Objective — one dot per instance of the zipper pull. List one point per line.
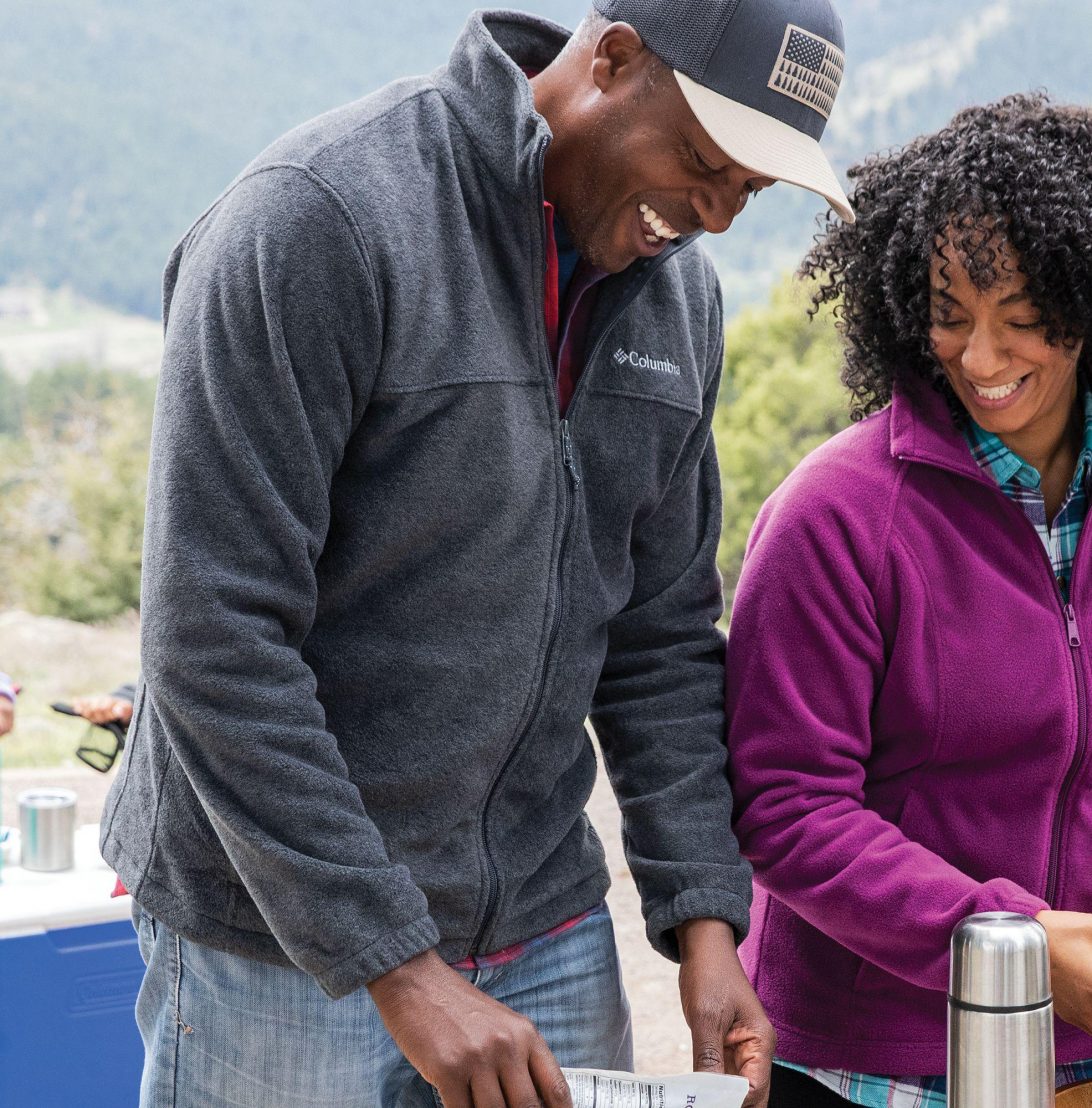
(1071, 626)
(567, 451)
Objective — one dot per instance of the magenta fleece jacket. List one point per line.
(908, 709)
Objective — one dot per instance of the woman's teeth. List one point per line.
(1000, 392)
(656, 227)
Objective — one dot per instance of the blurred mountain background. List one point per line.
(122, 120)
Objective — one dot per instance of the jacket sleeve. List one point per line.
(805, 661)
(658, 711)
(272, 338)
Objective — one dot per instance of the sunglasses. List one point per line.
(101, 745)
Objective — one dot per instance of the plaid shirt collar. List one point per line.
(1005, 466)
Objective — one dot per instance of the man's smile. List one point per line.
(655, 226)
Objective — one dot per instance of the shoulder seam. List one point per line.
(390, 108)
(309, 171)
(941, 713)
(882, 561)
(331, 195)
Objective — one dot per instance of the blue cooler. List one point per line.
(69, 975)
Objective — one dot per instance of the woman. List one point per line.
(910, 657)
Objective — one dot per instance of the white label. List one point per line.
(607, 1089)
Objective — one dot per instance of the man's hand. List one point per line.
(475, 1051)
(7, 715)
(1069, 937)
(104, 709)
(730, 1030)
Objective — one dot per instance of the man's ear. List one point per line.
(619, 54)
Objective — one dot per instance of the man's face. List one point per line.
(645, 171)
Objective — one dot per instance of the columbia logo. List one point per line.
(643, 361)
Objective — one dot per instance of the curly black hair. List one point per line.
(1012, 179)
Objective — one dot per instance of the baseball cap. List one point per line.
(760, 75)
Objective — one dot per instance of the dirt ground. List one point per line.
(661, 1039)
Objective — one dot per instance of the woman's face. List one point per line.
(992, 346)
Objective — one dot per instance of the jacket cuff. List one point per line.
(1019, 900)
(379, 957)
(695, 904)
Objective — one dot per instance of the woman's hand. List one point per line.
(1069, 937)
(730, 1031)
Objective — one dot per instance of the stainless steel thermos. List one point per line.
(47, 829)
(1000, 1014)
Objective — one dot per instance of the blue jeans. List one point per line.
(223, 1030)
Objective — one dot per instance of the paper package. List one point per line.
(608, 1089)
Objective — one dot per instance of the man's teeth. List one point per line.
(658, 227)
(1000, 392)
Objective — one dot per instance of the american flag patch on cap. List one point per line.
(808, 69)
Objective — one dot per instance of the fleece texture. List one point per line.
(385, 584)
(908, 735)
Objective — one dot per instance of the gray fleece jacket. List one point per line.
(385, 583)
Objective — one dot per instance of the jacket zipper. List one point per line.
(1073, 640)
(571, 484)
(572, 481)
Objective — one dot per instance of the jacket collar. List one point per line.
(484, 86)
(922, 428)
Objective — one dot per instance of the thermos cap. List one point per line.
(1000, 961)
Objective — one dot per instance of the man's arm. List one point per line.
(272, 337)
(659, 716)
(658, 710)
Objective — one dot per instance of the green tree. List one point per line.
(780, 398)
(90, 571)
(70, 399)
(72, 486)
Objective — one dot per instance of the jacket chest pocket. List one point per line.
(628, 460)
(644, 374)
(645, 403)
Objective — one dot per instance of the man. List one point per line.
(432, 481)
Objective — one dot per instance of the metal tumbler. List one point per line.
(1000, 1014)
(47, 829)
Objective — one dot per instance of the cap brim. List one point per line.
(767, 146)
